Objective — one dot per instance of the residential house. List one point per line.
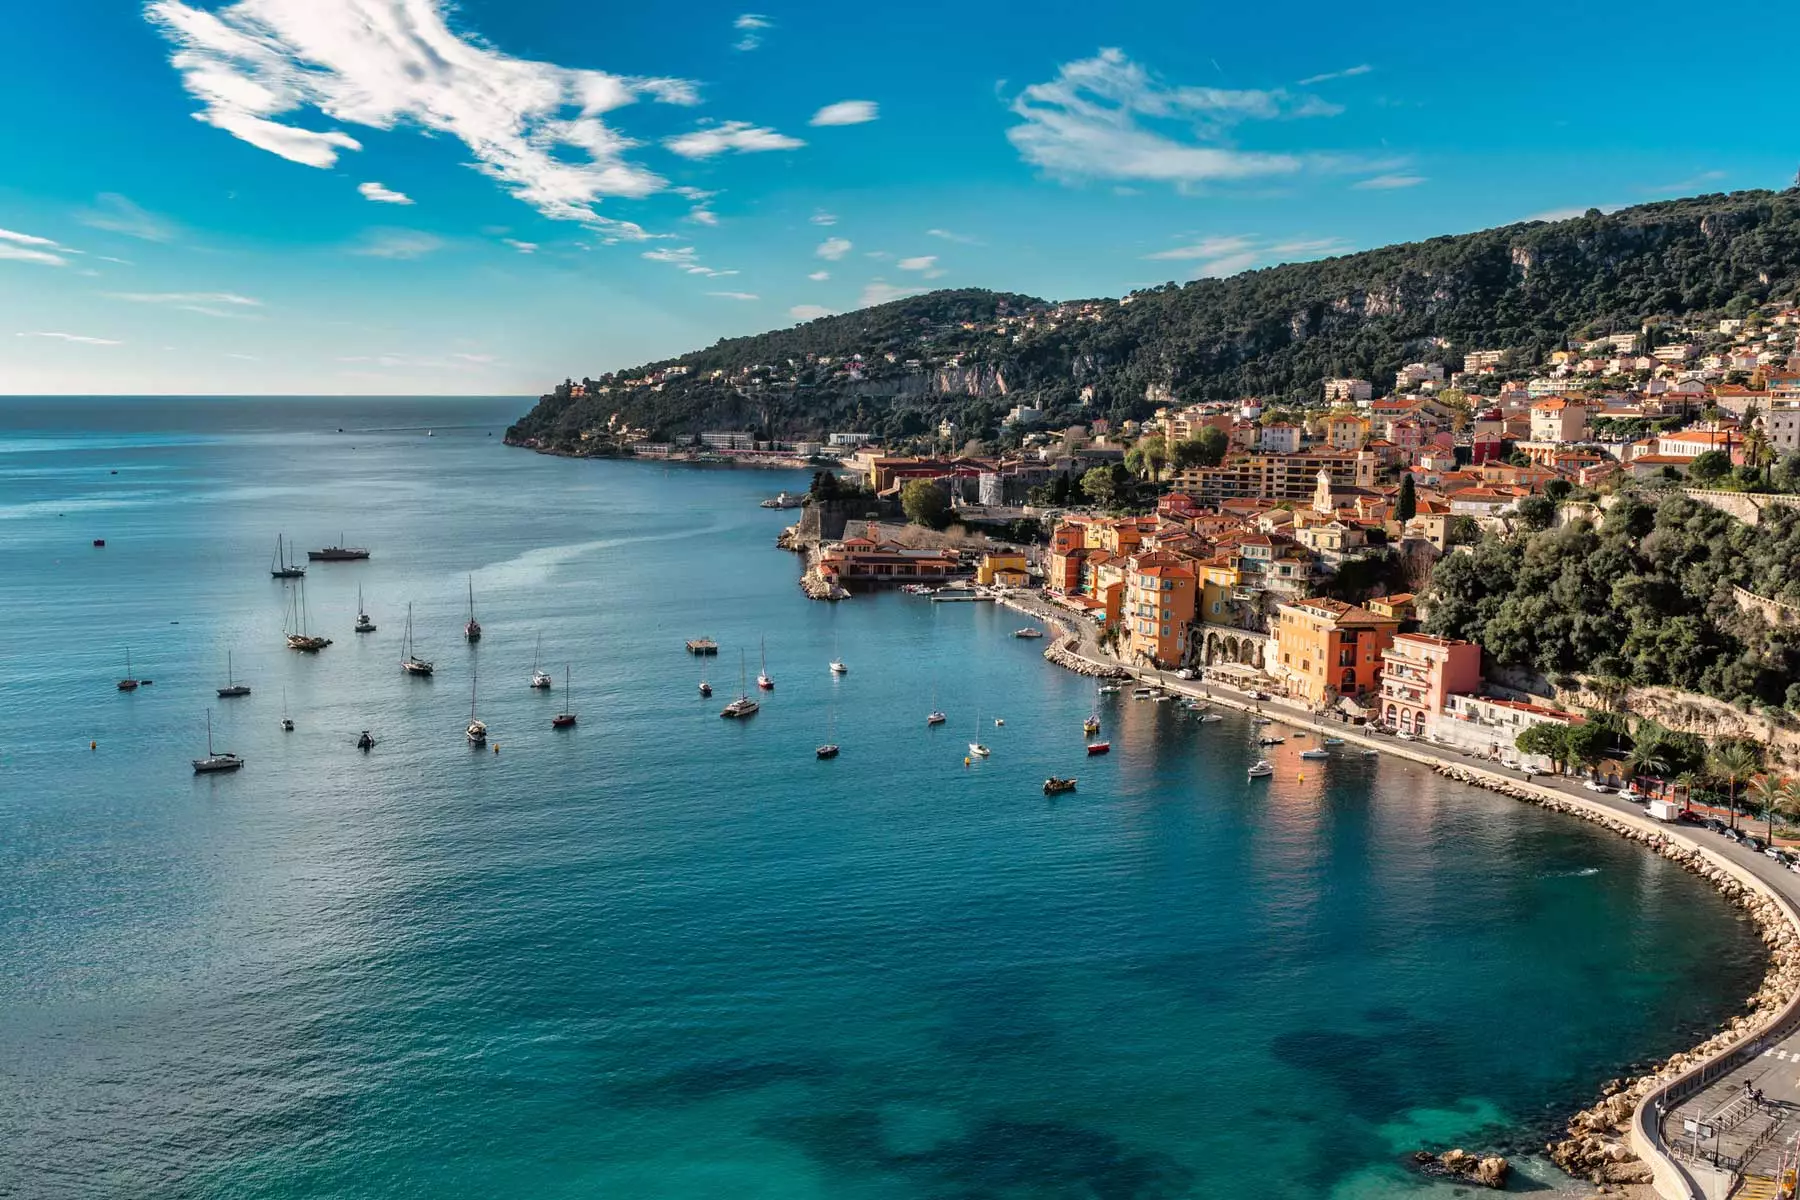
(1557, 420)
(1327, 649)
(1161, 597)
(1419, 673)
(1491, 727)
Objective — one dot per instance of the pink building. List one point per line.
(1419, 674)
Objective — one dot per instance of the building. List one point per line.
(1491, 727)
(728, 440)
(1479, 360)
(996, 563)
(1557, 419)
(1346, 431)
(1348, 391)
(1280, 438)
(1414, 375)
(1419, 674)
(1327, 649)
(849, 439)
(1782, 424)
(1276, 476)
(859, 560)
(1160, 602)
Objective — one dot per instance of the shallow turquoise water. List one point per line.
(665, 955)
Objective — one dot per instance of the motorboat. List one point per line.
(783, 500)
(1331, 741)
(1055, 786)
(540, 679)
(1371, 754)
(1028, 632)
(828, 750)
(215, 760)
(1207, 718)
(232, 686)
(338, 553)
(1142, 693)
(1261, 721)
(1098, 748)
(1262, 768)
(1108, 689)
(934, 717)
(365, 742)
(1091, 726)
(977, 750)
(1316, 752)
(999, 722)
(1270, 741)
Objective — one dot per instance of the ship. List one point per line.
(337, 553)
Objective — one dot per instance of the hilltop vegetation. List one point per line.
(971, 355)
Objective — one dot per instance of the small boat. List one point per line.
(130, 682)
(1332, 742)
(702, 646)
(783, 500)
(100, 543)
(477, 730)
(837, 663)
(934, 717)
(566, 718)
(1270, 741)
(1261, 721)
(1108, 689)
(977, 750)
(762, 676)
(363, 624)
(298, 638)
(743, 706)
(1371, 754)
(366, 742)
(232, 686)
(1098, 748)
(1091, 726)
(1316, 752)
(1054, 786)
(412, 664)
(287, 722)
(539, 680)
(219, 760)
(828, 750)
(280, 567)
(339, 553)
(1028, 632)
(1142, 693)
(1162, 697)
(705, 687)
(1206, 718)
(472, 630)
(999, 722)
(1262, 768)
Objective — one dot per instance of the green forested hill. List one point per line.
(970, 355)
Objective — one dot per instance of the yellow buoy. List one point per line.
(965, 760)
(496, 747)
(93, 745)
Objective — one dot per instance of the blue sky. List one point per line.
(398, 196)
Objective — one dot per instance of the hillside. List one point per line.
(971, 355)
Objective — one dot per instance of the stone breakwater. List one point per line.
(1597, 1146)
(1065, 652)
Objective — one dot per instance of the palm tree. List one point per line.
(1647, 758)
(1732, 762)
(1768, 793)
(1687, 781)
(1756, 450)
(1787, 804)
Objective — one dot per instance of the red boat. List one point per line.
(1098, 748)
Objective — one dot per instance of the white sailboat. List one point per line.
(363, 624)
(298, 638)
(472, 630)
(219, 760)
(976, 749)
(539, 679)
(743, 706)
(412, 664)
(287, 722)
(477, 730)
(837, 661)
(232, 686)
(762, 676)
(936, 715)
(280, 567)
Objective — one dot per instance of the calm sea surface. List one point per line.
(663, 955)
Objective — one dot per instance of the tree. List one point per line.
(1544, 740)
(1647, 759)
(1462, 530)
(1205, 449)
(1731, 762)
(1710, 466)
(1767, 793)
(1536, 512)
(926, 503)
(1787, 804)
(1097, 483)
(1587, 743)
(1407, 505)
(1558, 489)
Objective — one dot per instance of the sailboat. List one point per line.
(232, 686)
(539, 680)
(566, 717)
(936, 715)
(472, 631)
(837, 662)
(287, 722)
(130, 682)
(976, 749)
(743, 706)
(363, 624)
(705, 687)
(762, 676)
(215, 760)
(297, 638)
(280, 567)
(477, 730)
(366, 742)
(830, 748)
(412, 664)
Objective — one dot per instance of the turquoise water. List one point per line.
(664, 955)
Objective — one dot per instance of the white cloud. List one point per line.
(961, 238)
(535, 128)
(116, 214)
(700, 214)
(809, 312)
(382, 195)
(923, 262)
(1217, 257)
(1092, 122)
(1211, 247)
(735, 295)
(819, 276)
(847, 112)
(832, 249)
(521, 247)
(242, 357)
(751, 26)
(704, 216)
(231, 299)
(1694, 183)
(687, 258)
(878, 291)
(24, 247)
(397, 243)
(1346, 73)
(824, 218)
(453, 362)
(26, 239)
(738, 137)
(1387, 182)
(79, 338)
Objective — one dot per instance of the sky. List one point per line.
(414, 197)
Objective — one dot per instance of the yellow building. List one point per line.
(1326, 649)
(1159, 609)
(996, 561)
(1346, 431)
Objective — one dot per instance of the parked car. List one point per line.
(1714, 825)
(1688, 816)
(1261, 696)
(1736, 835)
(1594, 785)
(1754, 843)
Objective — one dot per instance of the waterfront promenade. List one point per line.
(1751, 1141)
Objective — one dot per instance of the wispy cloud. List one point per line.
(79, 338)
(212, 304)
(687, 258)
(809, 312)
(1108, 118)
(1388, 182)
(923, 262)
(536, 128)
(819, 276)
(117, 214)
(960, 238)
(879, 291)
(847, 112)
(751, 26)
(737, 137)
(823, 218)
(521, 247)
(735, 295)
(1692, 183)
(451, 362)
(1217, 257)
(397, 243)
(27, 247)
(832, 249)
(1346, 73)
(382, 195)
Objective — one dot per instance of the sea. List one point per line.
(670, 956)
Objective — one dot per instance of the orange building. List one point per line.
(1326, 648)
(1160, 603)
(1419, 674)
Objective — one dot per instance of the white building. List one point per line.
(728, 440)
(849, 439)
(1348, 391)
(1279, 438)
(1486, 726)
